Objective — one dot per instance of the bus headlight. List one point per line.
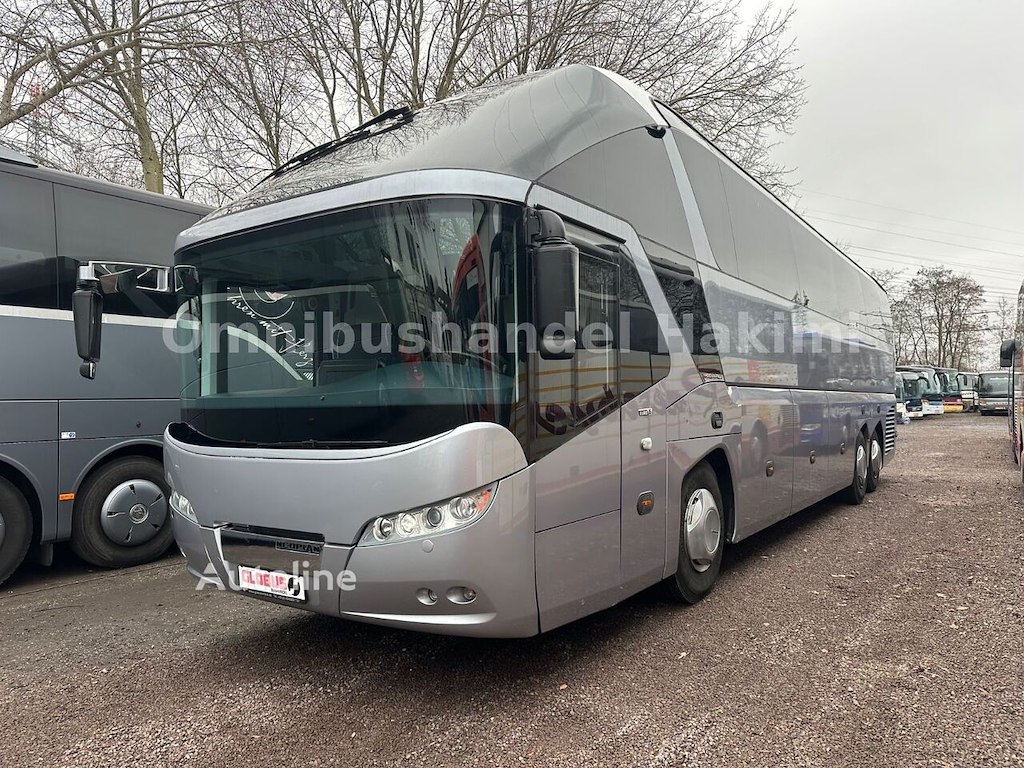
(430, 519)
(181, 506)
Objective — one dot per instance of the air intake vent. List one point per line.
(890, 430)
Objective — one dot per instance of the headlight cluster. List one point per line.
(181, 506)
(426, 521)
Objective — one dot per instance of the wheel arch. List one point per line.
(146, 447)
(718, 460)
(28, 486)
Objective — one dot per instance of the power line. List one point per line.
(811, 213)
(916, 213)
(913, 259)
(925, 239)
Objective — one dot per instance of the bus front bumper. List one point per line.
(476, 581)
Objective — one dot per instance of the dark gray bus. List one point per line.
(689, 363)
(82, 461)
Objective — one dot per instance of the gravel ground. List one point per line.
(888, 634)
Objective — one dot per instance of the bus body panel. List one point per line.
(28, 421)
(50, 223)
(76, 458)
(37, 463)
(335, 493)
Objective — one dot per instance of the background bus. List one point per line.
(968, 390)
(910, 385)
(952, 400)
(993, 392)
(79, 460)
(931, 395)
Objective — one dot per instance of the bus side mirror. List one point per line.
(555, 264)
(1007, 350)
(87, 309)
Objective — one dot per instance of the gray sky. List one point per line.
(915, 105)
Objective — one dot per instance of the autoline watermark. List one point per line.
(313, 579)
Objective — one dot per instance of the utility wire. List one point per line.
(915, 213)
(813, 213)
(1019, 254)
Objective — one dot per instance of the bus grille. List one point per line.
(890, 430)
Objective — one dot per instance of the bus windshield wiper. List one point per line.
(400, 116)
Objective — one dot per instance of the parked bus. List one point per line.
(689, 363)
(911, 385)
(932, 401)
(968, 390)
(952, 399)
(80, 461)
(993, 392)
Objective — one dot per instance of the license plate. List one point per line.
(276, 583)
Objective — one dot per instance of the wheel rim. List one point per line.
(703, 533)
(862, 464)
(876, 456)
(133, 513)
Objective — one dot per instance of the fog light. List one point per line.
(461, 595)
(426, 596)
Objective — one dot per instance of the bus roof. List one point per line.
(12, 161)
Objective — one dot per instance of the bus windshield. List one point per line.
(364, 327)
(994, 384)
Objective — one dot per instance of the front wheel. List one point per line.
(15, 528)
(858, 488)
(701, 537)
(120, 516)
(874, 463)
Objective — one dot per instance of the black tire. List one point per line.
(858, 488)
(691, 583)
(16, 521)
(875, 452)
(90, 539)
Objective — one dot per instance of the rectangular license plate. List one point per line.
(276, 583)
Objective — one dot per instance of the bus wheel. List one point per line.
(861, 461)
(701, 536)
(120, 516)
(15, 528)
(874, 463)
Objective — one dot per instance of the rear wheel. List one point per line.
(861, 461)
(15, 528)
(874, 463)
(120, 515)
(701, 536)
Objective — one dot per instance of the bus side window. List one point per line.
(28, 265)
(685, 296)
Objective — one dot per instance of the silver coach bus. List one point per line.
(79, 461)
(721, 365)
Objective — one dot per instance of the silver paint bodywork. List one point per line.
(563, 536)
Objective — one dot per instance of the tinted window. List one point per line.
(570, 395)
(28, 265)
(704, 170)
(816, 270)
(630, 177)
(93, 226)
(680, 281)
(764, 253)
